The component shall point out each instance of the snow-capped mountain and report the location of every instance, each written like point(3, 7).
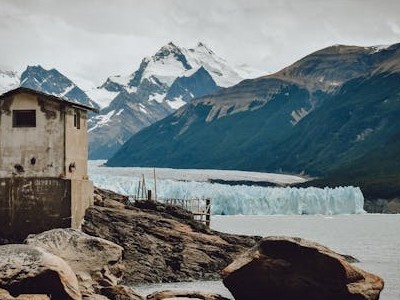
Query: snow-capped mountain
point(334, 113)
point(172, 61)
point(54, 83)
point(8, 80)
point(161, 70)
point(163, 83)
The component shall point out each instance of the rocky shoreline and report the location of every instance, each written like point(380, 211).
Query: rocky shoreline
point(382, 206)
point(121, 245)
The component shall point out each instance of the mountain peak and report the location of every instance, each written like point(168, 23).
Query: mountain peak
point(203, 47)
point(54, 83)
point(168, 49)
point(171, 44)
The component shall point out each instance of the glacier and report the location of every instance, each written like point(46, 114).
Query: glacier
point(239, 199)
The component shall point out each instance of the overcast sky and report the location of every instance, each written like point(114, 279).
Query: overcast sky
point(93, 39)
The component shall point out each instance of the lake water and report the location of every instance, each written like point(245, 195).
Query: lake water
point(374, 239)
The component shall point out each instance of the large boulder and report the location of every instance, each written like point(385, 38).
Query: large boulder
point(27, 269)
point(95, 261)
point(5, 295)
point(120, 292)
point(293, 268)
point(182, 295)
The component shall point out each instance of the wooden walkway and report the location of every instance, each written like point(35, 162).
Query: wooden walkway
point(199, 207)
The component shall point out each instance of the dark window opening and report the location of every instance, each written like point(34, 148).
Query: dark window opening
point(24, 118)
point(77, 120)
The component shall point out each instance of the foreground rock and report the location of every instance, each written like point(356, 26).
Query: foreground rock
point(194, 295)
point(162, 244)
point(95, 261)
point(293, 268)
point(31, 270)
point(4, 295)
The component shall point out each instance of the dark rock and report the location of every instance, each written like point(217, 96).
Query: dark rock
point(392, 207)
point(101, 195)
point(120, 292)
point(293, 268)
point(385, 206)
point(195, 295)
point(159, 246)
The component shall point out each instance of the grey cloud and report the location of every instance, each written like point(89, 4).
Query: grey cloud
point(93, 39)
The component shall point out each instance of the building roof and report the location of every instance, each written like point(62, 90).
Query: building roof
point(49, 97)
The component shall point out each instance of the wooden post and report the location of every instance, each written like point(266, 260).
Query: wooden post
point(155, 184)
point(208, 212)
point(138, 191)
point(149, 195)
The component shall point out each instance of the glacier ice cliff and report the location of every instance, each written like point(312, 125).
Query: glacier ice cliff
point(247, 200)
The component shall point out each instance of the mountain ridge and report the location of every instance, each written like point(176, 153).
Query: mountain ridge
point(277, 125)
point(164, 82)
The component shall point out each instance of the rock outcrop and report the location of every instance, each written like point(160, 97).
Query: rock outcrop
point(293, 268)
point(382, 206)
point(95, 261)
point(194, 295)
point(162, 243)
point(27, 269)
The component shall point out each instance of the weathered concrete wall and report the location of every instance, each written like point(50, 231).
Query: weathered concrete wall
point(43, 169)
point(38, 150)
point(81, 198)
point(32, 205)
point(76, 145)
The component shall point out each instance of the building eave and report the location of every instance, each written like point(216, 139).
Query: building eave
point(49, 97)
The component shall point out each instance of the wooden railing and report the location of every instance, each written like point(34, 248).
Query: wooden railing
point(200, 207)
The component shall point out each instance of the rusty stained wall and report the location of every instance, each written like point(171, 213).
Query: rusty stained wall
point(33, 205)
point(76, 145)
point(43, 144)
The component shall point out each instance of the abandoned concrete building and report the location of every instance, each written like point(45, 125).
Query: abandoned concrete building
point(43, 163)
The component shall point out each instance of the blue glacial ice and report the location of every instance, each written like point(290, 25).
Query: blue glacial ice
point(242, 200)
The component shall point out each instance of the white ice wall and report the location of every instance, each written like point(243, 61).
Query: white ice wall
point(247, 200)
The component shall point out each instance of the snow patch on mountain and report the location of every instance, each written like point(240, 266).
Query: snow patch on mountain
point(176, 103)
point(102, 120)
point(157, 97)
point(101, 96)
point(220, 71)
point(378, 48)
point(8, 80)
point(166, 68)
point(143, 108)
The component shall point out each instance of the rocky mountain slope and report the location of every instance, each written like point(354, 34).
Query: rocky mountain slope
point(54, 83)
point(163, 83)
point(320, 114)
